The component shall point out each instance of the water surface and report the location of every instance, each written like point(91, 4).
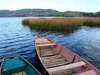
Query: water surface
point(15, 39)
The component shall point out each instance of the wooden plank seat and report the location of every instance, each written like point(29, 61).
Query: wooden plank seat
point(66, 67)
point(64, 72)
point(47, 44)
point(42, 40)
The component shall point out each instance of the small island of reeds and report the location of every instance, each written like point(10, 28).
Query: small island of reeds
point(61, 24)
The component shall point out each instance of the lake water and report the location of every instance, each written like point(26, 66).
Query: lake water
point(15, 39)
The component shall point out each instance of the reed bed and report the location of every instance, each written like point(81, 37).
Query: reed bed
point(61, 24)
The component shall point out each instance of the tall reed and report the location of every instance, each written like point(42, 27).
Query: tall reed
point(61, 24)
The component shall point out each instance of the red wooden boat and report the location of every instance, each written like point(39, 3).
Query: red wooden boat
point(57, 60)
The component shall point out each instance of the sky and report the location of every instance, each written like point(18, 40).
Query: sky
point(60, 5)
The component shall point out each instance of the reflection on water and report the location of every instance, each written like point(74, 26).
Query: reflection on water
point(85, 42)
point(15, 39)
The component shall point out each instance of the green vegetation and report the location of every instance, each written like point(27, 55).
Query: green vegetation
point(61, 24)
point(46, 12)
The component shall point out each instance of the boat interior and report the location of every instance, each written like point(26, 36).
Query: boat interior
point(16, 66)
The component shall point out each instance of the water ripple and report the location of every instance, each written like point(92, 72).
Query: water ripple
point(15, 39)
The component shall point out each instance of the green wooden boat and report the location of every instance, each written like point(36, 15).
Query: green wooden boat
point(17, 66)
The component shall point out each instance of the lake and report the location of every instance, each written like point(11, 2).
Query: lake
point(15, 39)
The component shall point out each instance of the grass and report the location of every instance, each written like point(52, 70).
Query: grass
point(61, 24)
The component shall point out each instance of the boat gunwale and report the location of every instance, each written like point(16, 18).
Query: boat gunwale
point(41, 60)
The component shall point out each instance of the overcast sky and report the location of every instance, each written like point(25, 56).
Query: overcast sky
point(61, 5)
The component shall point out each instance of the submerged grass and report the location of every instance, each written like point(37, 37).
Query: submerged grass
point(61, 24)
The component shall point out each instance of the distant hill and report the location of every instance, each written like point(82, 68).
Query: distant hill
point(45, 12)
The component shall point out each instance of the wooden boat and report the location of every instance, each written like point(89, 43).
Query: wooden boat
point(58, 60)
point(17, 66)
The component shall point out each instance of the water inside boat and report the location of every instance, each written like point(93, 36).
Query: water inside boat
point(17, 66)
